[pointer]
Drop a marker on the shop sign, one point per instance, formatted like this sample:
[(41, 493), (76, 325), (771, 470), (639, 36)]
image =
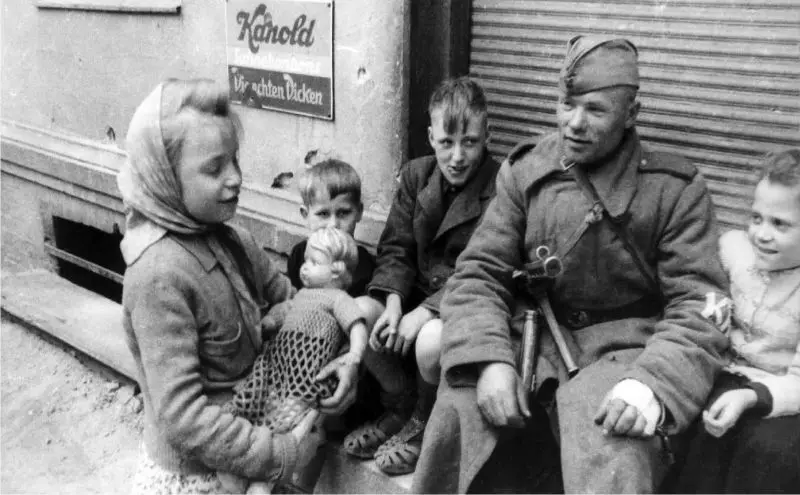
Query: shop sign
[(280, 55)]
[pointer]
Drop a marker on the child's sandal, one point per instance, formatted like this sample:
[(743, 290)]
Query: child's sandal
[(364, 441), (400, 453)]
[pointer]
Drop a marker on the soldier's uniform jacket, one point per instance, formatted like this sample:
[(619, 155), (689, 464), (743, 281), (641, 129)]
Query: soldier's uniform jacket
[(601, 298), (421, 241)]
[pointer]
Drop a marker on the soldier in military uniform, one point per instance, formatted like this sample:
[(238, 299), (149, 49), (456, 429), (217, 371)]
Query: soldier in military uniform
[(637, 299)]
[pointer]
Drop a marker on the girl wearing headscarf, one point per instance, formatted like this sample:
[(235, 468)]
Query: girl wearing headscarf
[(194, 293)]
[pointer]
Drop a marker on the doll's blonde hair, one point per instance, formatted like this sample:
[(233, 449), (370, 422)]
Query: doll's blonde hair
[(340, 247)]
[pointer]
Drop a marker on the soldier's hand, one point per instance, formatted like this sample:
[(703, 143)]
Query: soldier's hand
[(617, 417), (500, 395), (631, 409)]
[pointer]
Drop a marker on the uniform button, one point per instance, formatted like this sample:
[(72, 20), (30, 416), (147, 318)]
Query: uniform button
[(436, 280), (644, 162)]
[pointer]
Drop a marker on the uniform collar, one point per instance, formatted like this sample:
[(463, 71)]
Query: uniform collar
[(615, 179)]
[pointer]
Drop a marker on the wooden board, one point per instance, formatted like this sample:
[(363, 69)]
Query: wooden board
[(86, 321)]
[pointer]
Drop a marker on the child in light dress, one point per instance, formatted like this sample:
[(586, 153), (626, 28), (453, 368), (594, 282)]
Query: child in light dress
[(749, 441)]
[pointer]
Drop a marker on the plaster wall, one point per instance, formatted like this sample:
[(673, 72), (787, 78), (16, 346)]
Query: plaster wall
[(83, 73), (21, 227)]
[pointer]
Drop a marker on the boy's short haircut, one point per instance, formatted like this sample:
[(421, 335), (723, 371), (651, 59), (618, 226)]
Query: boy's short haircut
[(782, 167), (339, 246), (460, 99), (333, 176)]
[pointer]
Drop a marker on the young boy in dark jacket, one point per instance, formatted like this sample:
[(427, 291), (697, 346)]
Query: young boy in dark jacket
[(439, 202)]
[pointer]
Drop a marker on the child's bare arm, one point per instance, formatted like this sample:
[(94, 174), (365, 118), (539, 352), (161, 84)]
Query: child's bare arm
[(784, 389)]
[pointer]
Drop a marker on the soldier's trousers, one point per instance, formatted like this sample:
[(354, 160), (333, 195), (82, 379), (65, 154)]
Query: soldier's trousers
[(592, 462)]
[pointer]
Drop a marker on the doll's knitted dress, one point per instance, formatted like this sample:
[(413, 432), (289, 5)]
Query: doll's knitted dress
[(280, 389)]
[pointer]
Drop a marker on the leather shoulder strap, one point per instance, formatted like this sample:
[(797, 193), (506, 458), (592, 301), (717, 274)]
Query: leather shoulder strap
[(622, 232)]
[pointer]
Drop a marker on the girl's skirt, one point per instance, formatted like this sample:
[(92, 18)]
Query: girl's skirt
[(151, 479)]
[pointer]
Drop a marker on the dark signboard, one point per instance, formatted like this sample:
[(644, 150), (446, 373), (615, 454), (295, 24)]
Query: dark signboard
[(280, 55)]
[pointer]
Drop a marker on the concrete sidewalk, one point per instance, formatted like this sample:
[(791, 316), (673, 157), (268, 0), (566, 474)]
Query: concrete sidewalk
[(67, 427)]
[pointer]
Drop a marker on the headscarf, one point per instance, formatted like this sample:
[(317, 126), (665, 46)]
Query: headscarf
[(150, 189), (151, 194)]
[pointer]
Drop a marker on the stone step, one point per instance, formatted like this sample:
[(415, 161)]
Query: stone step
[(92, 324)]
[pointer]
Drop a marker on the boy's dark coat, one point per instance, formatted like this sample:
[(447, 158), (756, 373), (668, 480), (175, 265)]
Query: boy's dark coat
[(419, 245)]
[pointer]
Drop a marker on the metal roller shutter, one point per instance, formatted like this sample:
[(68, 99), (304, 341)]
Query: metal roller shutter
[(720, 80)]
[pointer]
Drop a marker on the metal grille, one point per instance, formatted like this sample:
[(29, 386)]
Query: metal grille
[(720, 80)]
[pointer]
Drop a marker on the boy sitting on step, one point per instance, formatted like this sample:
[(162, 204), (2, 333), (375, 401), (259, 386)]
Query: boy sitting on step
[(439, 202)]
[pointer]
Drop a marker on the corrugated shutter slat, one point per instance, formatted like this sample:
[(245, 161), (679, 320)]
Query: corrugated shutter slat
[(720, 78)]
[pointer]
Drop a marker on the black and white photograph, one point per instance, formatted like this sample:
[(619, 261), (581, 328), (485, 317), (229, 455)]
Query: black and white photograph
[(399, 246)]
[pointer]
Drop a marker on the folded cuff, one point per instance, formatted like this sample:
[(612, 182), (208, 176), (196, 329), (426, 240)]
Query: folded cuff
[(763, 399)]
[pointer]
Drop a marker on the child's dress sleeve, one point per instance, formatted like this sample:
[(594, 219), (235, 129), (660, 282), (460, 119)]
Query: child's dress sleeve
[(785, 389), (167, 337), (736, 256)]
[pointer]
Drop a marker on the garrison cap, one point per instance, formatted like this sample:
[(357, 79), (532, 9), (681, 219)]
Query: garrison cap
[(595, 62)]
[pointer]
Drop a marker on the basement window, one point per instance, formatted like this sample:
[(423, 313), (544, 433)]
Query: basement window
[(88, 257)]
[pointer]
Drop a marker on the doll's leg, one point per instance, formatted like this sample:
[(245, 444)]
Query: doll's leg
[(260, 487), (232, 483)]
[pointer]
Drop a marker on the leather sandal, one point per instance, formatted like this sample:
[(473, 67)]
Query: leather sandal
[(364, 441), (400, 453)]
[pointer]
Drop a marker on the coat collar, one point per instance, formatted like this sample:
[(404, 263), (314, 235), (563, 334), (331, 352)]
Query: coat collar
[(198, 246), (430, 196), (467, 205), (465, 208), (615, 179)]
